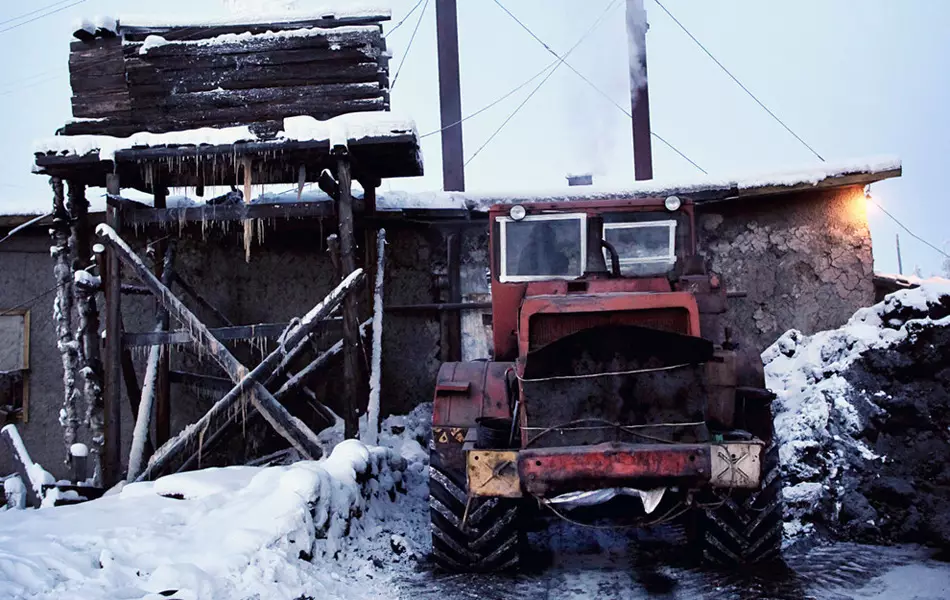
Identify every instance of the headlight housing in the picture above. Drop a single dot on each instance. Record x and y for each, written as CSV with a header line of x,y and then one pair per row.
x,y
517,212
672,203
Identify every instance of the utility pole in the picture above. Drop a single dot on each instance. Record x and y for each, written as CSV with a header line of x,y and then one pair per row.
x,y
639,90
900,263
450,96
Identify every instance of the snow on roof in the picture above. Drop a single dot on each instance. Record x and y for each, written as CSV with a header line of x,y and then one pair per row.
x,y
155,41
343,129
743,185
340,10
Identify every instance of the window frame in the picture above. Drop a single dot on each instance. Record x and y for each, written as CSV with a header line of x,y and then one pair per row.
x,y
670,224
24,416
503,221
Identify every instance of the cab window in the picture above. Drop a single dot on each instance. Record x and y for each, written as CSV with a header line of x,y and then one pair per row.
x,y
542,247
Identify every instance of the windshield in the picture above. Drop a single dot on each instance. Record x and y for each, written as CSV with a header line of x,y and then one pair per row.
x,y
542,247
645,247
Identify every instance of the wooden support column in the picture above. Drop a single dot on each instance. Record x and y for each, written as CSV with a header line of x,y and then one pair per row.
x,y
87,334
163,383
112,362
372,410
451,321
351,323
62,252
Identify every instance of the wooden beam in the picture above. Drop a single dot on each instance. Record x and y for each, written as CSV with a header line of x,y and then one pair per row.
x,y
289,427
351,336
294,210
375,376
224,334
23,464
451,321
197,32
164,270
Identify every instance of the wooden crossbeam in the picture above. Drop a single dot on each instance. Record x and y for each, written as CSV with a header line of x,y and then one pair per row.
x,y
224,334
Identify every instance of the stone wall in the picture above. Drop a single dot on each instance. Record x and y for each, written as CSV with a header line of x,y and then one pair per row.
x,y
804,260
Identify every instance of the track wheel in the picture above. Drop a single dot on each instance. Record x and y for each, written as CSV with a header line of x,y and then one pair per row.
x,y
489,540
743,527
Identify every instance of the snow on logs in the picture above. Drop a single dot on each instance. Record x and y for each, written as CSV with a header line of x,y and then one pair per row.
x,y
170,79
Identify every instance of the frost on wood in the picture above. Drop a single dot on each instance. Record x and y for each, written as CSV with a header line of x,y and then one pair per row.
x,y
62,312
831,433
371,432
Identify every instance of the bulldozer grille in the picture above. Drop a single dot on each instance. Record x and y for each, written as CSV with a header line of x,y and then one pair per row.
x,y
548,327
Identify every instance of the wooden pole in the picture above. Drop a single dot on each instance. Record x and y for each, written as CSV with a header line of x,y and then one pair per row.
x,y
639,90
288,426
450,96
62,313
372,411
351,335
164,254
451,321
112,364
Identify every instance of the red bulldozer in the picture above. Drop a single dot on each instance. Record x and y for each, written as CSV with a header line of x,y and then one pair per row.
x,y
613,381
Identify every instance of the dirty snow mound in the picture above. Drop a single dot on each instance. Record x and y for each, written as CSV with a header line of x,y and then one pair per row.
x,y
862,417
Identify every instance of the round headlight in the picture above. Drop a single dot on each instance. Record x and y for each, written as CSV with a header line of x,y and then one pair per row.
x,y
672,203
517,212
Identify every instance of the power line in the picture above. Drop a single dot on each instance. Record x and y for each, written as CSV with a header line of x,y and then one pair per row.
x,y
905,228
33,12
409,46
556,64
406,18
595,87
37,18
739,83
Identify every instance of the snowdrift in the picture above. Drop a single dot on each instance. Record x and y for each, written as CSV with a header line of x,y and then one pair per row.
x,y
862,417
308,530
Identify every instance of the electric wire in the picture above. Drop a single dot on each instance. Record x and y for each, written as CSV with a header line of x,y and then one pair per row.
x,y
595,87
553,69
37,18
33,12
905,228
409,46
406,18
739,83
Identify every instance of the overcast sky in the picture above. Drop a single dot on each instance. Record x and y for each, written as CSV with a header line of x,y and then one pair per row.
x,y
854,78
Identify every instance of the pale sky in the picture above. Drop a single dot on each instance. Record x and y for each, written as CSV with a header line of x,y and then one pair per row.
x,y
854,78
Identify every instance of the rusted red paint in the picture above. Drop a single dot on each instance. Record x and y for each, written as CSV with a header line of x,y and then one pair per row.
x,y
507,297
615,304
467,391
546,471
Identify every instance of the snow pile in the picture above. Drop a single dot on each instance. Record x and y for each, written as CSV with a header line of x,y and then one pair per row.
x,y
836,418
313,529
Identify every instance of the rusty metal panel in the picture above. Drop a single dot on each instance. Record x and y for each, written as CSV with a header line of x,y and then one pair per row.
x,y
551,470
467,391
493,473
737,464
545,328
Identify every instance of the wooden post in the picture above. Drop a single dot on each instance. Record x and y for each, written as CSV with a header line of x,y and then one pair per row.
x,y
372,411
289,427
450,96
111,433
164,253
87,334
151,392
24,464
351,324
62,313
639,90
451,321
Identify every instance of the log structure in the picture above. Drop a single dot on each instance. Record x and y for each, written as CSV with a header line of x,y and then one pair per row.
x,y
167,78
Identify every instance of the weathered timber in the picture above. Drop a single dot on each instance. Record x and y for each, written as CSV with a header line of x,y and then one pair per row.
x,y
326,58
451,321
24,465
236,332
289,427
111,433
372,411
164,270
87,334
204,31
307,210
62,312
151,393
351,335
290,387
263,372
326,40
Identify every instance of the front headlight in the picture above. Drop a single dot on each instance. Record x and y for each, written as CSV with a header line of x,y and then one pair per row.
x,y
672,203
517,212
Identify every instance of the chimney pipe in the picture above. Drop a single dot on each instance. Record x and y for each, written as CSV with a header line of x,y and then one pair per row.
x,y
639,90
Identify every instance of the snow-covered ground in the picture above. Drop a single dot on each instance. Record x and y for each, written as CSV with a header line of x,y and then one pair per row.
x,y
337,528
